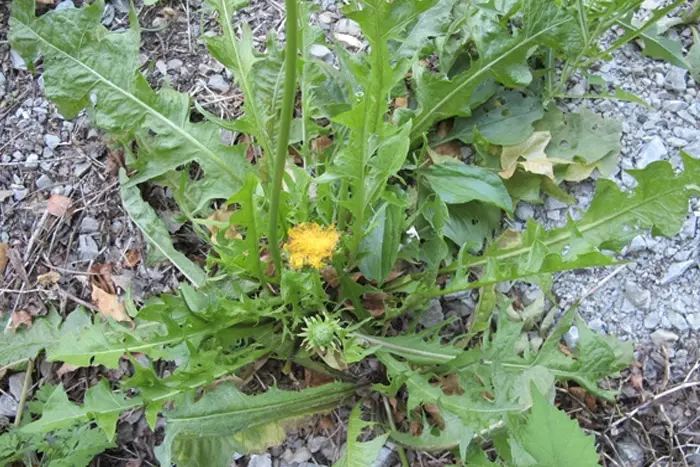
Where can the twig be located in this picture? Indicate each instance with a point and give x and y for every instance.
(78, 300)
(392, 424)
(13, 364)
(600, 284)
(680, 387)
(25, 392)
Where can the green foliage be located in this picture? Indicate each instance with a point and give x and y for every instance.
(369, 136)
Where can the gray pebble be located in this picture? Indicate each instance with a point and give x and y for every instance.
(674, 105)
(348, 26)
(321, 52)
(52, 141)
(571, 337)
(260, 461)
(675, 79)
(19, 193)
(44, 182)
(677, 321)
(8, 406)
(630, 452)
(316, 443)
(65, 4)
(174, 64)
(89, 225)
(694, 321)
(302, 455)
(433, 315)
(32, 162)
(87, 247)
(17, 61)
(639, 297)
(524, 211)
(81, 169)
(676, 270)
(217, 83)
(654, 150)
(652, 320)
(107, 15)
(663, 337)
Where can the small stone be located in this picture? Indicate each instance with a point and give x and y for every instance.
(571, 337)
(688, 134)
(348, 26)
(317, 443)
(630, 452)
(65, 4)
(87, 247)
(694, 321)
(17, 61)
(433, 315)
(8, 406)
(302, 455)
(386, 456)
(52, 141)
(676, 142)
(677, 321)
(116, 227)
(674, 105)
(663, 337)
(174, 64)
(161, 67)
(654, 150)
(325, 18)
(637, 244)
(32, 162)
(260, 461)
(597, 325)
(675, 79)
(321, 52)
(44, 182)
(348, 40)
(524, 211)
(19, 193)
(81, 169)
(217, 83)
(552, 203)
(676, 270)
(639, 297)
(652, 320)
(107, 15)
(89, 225)
(530, 296)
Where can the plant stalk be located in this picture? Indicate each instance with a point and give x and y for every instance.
(290, 89)
(25, 393)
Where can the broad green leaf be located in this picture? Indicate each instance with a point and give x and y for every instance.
(693, 56)
(457, 183)
(656, 45)
(414, 348)
(380, 246)
(470, 224)
(550, 437)
(422, 25)
(431, 439)
(358, 453)
(44, 333)
(659, 202)
(220, 414)
(506, 119)
(156, 233)
(86, 66)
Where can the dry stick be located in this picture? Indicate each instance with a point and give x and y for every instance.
(25, 392)
(600, 284)
(392, 424)
(646, 405)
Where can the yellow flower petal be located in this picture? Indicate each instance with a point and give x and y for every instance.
(310, 244)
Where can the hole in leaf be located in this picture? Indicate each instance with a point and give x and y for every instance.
(564, 144)
(506, 112)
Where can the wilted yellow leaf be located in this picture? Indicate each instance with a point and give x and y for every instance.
(109, 305)
(532, 150)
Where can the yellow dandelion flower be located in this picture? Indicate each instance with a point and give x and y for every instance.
(311, 244)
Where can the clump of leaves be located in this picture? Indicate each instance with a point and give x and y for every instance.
(312, 257)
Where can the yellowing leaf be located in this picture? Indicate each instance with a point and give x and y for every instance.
(109, 305)
(58, 205)
(532, 150)
(49, 278)
(4, 248)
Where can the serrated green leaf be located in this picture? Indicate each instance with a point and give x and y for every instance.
(457, 183)
(470, 224)
(380, 246)
(431, 439)
(225, 411)
(506, 119)
(414, 348)
(86, 66)
(156, 233)
(656, 45)
(357, 453)
(550, 437)
(427, 19)
(693, 56)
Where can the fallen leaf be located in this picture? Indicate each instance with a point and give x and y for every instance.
(132, 258)
(330, 275)
(101, 276)
(320, 144)
(532, 150)
(50, 278)
(4, 248)
(222, 215)
(115, 161)
(416, 428)
(374, 302)
(451, 149)
(325, 422)
(45, 2)
(59, 205)
(444, 128)
(4, 194)
(19, 318)
(450, 385)
(400, 103)
(584, 396)
(109, 305)
(434, 411)
(314, 379)
(65, 369)
(637, 379)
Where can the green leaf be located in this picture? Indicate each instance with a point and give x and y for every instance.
(381, 244)
(156, 233)
(86, 66)
(44, 333)
(655, 45)
(357, 453)
(414, 348)
(457, 183)
(431, 439)
(223, 412)
(693, 56)
(468, 225)
(550, 437)
(425, 19)
(506, 120)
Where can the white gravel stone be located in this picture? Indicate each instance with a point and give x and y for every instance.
(663, 337)
(654, 150)
(217, 83)
(675, 79)
(676, 271)
(321, 52)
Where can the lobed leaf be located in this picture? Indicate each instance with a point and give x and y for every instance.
(357, 453)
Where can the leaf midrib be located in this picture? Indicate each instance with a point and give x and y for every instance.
(139, 102)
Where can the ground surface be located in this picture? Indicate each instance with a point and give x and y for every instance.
(654, 300)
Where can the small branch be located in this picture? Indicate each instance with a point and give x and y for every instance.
(392, 424)
(25, 393)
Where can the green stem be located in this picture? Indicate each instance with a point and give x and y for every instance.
(25, 392)
(290, 88)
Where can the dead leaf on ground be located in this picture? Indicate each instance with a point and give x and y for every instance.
(59, 205)
(451, 149)
(314, 379)
(584, 396)
(50, 278)
(132, 258)
(222, 215)
(65, 369)
(434, 412)
(320, 144)
(400, 103)
(375, 303)
(101, 276)
(330, 275)
(325, 422)
(19, 318)
(444, 128)
(450, 385)
(4, 248)
(416, 428)
(532, 150)
(109, 305)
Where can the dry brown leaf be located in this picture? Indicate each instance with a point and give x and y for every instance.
(222, 215)
(400, 103)
(314, 379)
(45, 2)
(19, 318)
(374, 302)
(325, 422)
(532, 150)
(132, 258)
(115, 161)
(330, 275)
(320, 144)
(59, 205)
(4, 249)
(416, 428)
(65, 369)
(444, 128)
(109, 305)
(637, 379)
(450, 149)
(434, 411)
(102, 277)
(50, 278)
(450, 385)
